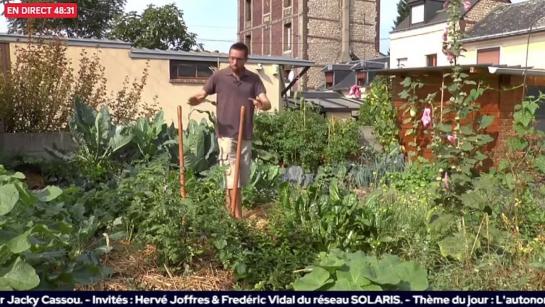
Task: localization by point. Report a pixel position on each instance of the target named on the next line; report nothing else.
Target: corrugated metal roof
(142, 53)
(329, 101)
(84, 42)
(494, 69)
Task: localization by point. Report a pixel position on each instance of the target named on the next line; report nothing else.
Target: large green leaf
(315, 280)
(345, 284)
(48, 194)
(21, 276)
(414, 275)
(331, 261)
(357, 262)
(122, 136)
(103, 127)
(486, 121)
(539, 162)
(158, 123)
(517, 144)
(8, 198)
(453, 246)
(381, 272)
(474, 199)
(441, 224)
(445, 128)
(19, 243)
(84, 114)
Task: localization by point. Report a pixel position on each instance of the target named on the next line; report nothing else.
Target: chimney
(345, 32)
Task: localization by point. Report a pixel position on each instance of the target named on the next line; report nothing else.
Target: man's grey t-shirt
(232, 93)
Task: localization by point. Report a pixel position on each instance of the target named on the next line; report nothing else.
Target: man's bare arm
(197, 98)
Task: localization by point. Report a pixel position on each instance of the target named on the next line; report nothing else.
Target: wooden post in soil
(234, 199)
(183, 193)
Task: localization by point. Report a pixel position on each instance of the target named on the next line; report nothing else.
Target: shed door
(488, 56)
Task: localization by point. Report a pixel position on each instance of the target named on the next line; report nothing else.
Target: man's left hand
(257, 103)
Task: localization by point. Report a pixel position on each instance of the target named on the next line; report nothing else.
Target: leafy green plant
(414, 110)
(372, 172)
(342, 141)
(292, 137)
(334, 216)
(200, 146)
(263, 184)
(95, 134)
(418, 174)
(341, 271)
(53, 249)
(379, 112)
(153, 136)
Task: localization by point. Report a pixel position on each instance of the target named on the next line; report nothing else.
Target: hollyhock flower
(467, 5)
(355, 92)
(452, 138)
(450, 57)
(426, 117)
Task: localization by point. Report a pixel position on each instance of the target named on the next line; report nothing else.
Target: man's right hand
(193, 101)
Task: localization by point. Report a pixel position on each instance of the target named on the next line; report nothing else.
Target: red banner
(41, 10)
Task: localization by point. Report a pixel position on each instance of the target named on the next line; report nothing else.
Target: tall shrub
(38, 93)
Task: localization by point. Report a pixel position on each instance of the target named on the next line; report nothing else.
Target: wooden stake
(183, 193)
(234, 199)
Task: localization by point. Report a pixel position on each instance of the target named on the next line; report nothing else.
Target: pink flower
(452, 138)
(426, 117)
(355, 92)
(467, 5)
(450, 57)
(445, 35)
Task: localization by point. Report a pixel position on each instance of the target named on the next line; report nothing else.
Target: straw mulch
(137, 269)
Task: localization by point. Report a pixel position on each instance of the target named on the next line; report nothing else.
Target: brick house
(325, 32)
(499, 101)
(417, 40)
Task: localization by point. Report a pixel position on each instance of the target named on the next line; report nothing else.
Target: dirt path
(137, 269)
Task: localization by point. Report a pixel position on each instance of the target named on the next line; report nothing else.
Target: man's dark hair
(240, 46)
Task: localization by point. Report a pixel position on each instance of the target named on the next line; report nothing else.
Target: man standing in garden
(235, 86)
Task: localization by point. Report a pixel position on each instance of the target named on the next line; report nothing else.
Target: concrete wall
(34, 144)
(512, 50)
(416, 44)
(118, 65)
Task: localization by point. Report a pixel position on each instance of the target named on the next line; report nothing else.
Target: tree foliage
(157, 28)
(402, 12)
(94, 20)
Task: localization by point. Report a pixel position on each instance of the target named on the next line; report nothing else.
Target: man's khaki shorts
(227, 157)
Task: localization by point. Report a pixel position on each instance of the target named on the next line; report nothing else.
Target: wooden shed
(505, 92)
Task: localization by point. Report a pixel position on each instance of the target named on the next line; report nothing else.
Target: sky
(215, 21)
